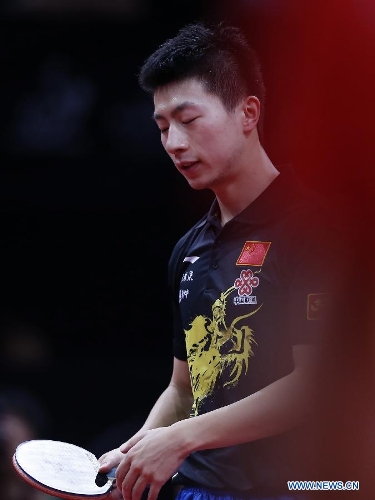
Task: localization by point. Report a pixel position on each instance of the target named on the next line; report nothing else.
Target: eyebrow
(176, 110)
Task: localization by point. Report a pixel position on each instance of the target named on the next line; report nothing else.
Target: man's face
(203, 139)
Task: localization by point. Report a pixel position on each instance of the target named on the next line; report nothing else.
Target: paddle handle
(103, 477)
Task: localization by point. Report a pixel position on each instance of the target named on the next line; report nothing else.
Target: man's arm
(173, 404)
(275, 409)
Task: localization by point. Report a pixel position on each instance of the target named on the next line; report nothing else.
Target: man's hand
(148, 462)
(107, 461)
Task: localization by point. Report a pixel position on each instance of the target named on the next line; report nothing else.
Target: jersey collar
(279, 197)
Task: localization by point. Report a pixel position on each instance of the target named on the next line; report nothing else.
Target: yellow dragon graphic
(207, 357)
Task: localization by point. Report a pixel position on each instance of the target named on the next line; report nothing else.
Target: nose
(176, 140)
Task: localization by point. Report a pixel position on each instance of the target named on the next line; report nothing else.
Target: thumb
(110, 460)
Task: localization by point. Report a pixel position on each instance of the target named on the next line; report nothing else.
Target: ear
(251, 113)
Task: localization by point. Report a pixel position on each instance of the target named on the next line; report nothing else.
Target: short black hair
(219, 56)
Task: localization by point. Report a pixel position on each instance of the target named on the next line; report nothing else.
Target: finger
(154, 491)
(139, 487)
(110, 460)
(125, 447)
(122, 471)
(115, 495)
(103, 457)
(127, 484)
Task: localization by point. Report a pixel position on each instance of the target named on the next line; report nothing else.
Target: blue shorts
(194, 493)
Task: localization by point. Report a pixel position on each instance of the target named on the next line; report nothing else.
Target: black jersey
(243, 296)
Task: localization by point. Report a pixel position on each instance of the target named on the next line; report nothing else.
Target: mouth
(185, 166)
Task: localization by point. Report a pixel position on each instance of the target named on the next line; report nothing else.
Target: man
(247, 288)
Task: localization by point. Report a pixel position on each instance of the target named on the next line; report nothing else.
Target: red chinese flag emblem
(253, 253)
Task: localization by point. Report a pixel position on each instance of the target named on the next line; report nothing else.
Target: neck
(244, 188)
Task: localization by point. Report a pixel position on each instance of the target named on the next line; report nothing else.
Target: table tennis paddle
(62, 470)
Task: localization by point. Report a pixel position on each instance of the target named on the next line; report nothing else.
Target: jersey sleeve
(312, 277)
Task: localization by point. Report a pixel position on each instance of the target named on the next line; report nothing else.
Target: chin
(197, 184)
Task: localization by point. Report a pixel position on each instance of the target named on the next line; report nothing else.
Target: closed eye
(189, 121)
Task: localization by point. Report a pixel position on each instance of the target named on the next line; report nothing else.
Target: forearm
(172, 405)
(275, 409)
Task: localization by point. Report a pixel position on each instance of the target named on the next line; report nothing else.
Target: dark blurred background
(91, 206)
